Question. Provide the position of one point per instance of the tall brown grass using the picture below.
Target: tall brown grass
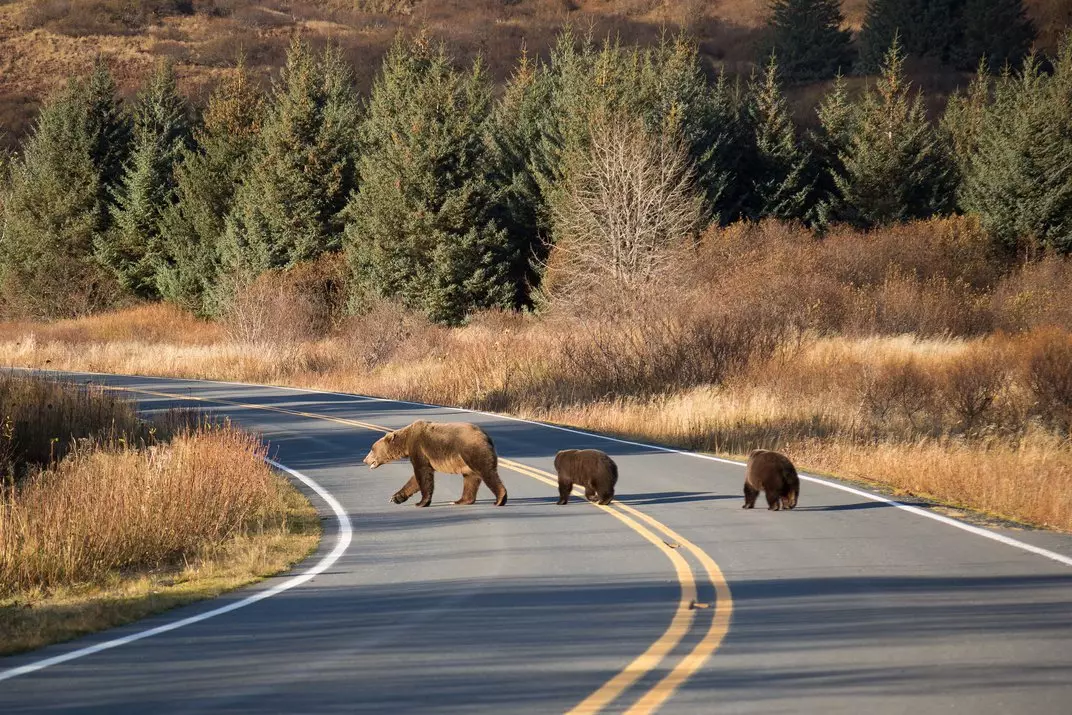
(111, 517)
(100, 511)
(915, 338)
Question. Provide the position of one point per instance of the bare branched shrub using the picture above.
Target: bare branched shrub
(897, 389)
(287, 307)
(970, 383)
(656, 340)
(386, 331)
(1037, 294)
(1047, 361)
(628, 214)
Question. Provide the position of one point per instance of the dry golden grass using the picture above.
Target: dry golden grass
(31, 620)
(126, 523)
(838, 404)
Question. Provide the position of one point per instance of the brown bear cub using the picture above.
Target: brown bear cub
(774, 474)
(451, 447)
(588, 468)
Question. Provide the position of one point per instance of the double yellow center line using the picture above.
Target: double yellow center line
(668, 541)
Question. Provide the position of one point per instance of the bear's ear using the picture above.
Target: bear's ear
(389, 436)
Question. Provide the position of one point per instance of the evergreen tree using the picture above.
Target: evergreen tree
(110, 131)
(924, 28)
(837, 120)
(289, 208)
(896, 167)
(206, 180)
(782, 186)
(519, 122)
(52, 213)
(422, 226)
(997, 30)
(1018, 174)
(161, 133)
(807, 38)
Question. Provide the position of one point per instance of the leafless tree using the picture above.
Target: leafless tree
(626, 215)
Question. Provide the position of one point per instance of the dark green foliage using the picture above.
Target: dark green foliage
(924, 28)
(837, 117)
(997, 30)
(807, 38)
(518, 125)
(289, 208)
(895, 166)
(132, 247)
(1018, 171)
(206, 180)
(955, 32)
(52, 212)
(422, 226)
(782, 185)
(110, 131)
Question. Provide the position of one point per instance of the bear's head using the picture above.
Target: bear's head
(386, 449)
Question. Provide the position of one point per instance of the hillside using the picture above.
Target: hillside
(44, 41)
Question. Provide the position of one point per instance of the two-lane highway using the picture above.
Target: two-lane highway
(847, 604)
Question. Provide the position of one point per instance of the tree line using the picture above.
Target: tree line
(447, 198)
(809, 37)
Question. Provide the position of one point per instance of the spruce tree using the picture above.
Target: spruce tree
(807, 38)
(830, 142)
(519, 121)
(1018, 175)
(111, 132)
(782, 186)
(206, 180)
(924, 28)
(52, 213)
(998, 31)
(421, 226)
(289, 207)
(161, 132)
(895, 166)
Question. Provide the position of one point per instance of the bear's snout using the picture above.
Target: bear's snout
(371, 461)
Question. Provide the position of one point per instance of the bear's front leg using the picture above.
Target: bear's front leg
(425, 484)
(408, 489)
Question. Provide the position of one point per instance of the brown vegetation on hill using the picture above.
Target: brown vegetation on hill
(42, 42)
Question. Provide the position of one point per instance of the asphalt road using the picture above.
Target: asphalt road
(846, 604)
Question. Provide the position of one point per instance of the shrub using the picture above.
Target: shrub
(1047, 364)
(288, 306)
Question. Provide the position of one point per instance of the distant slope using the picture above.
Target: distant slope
(44, 41)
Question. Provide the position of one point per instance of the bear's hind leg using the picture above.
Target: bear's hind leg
(750, 494)
(774, 501)
(469, 487)
(495, 485)
(606, 497)
(564, 488)
(408, 489)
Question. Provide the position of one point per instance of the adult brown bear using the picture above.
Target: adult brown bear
(452, 447)
(774, 474)
(589, 468)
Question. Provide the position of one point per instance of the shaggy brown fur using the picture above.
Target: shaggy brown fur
(588, 468)
(774, 474)
(451, 447)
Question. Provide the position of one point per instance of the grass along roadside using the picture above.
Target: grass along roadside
(134, 519)
(975, 422)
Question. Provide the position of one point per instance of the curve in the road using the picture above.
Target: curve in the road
(342, 542)
(643, 664)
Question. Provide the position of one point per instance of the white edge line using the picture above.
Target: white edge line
(1000, 538)
(342, 542)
